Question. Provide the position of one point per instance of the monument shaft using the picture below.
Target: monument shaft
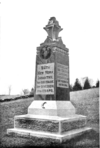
(52, 75)
(52, 66)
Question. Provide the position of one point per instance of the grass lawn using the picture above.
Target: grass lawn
(86, 103)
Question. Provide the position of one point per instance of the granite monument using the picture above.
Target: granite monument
(51, 115)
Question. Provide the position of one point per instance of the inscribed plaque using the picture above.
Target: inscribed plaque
(62, 75)
(45, 79)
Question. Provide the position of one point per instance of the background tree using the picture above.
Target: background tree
(9, 89)
(97, 83)
(26, 91)
(93, 86)
(77, 85)
(70, 87)
(87, 84)
(32, 92)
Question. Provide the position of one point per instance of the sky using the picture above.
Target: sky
(21, 32)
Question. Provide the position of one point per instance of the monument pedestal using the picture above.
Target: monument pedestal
(51, 115)
(51, 108)
(54, 128)
(56, 122)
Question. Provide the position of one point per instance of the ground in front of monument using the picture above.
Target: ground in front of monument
(86, 103)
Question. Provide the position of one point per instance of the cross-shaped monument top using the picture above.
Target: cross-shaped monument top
(53, 28)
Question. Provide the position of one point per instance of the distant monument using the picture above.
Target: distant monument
(51, 115)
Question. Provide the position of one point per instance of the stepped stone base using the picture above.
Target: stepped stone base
(55, 138)
(55, 128)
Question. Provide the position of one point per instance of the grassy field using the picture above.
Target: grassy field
(86, 103)
(5, 98)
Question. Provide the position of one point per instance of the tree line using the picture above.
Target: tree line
(78, 86)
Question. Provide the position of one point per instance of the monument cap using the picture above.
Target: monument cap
(53, 28)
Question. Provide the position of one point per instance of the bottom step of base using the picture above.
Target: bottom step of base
(58, 138)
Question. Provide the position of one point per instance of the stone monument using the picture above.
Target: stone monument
(51, 115)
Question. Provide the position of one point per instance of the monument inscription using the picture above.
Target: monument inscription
(62, 76)
(45, 79)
